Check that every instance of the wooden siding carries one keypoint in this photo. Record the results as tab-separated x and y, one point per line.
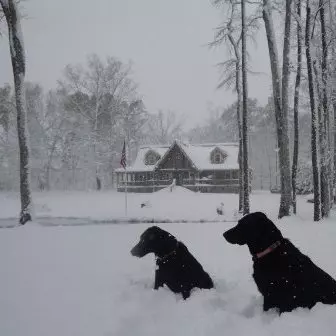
175	159
207	181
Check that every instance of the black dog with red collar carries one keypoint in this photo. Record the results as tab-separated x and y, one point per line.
285	277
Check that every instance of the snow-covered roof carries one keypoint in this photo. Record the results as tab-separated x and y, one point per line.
139	163
199	154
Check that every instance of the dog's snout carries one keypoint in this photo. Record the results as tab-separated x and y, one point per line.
232	236
228	236
139	250
135	251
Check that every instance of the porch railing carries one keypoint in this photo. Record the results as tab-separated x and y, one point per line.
186	182
145	183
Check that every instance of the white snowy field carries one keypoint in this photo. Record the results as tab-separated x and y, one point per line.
82	280
178	206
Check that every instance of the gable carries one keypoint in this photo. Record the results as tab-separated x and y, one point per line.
187	156
175	158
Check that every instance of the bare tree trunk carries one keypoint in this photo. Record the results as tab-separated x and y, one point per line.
239	122
317	197
325	202
334	153
281	108
241	175
50	160
333	99
321	142
95	139
296	105
18	63
246	183
235	46
284	148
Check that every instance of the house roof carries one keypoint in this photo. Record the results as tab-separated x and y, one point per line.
199	155
139	163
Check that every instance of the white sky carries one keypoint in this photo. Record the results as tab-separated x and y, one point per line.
166	40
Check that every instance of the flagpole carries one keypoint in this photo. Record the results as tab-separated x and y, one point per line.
126	190
123	163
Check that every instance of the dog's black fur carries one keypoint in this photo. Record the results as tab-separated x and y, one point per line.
285	277
176	267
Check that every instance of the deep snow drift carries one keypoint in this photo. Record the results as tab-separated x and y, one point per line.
83	280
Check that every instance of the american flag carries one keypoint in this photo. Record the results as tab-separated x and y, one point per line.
123	156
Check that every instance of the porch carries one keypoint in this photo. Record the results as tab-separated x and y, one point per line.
147	182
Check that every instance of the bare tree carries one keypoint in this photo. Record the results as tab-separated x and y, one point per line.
246	184
332	24
133	118
230	33
325	193
232	70
314	119
54	126
164	127
280	101
17	52
296	103
97	94
8	138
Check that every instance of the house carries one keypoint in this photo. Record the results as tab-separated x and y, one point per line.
204	168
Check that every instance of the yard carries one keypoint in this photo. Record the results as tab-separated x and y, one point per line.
71	272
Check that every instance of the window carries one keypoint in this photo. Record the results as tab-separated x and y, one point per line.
217	156
151	158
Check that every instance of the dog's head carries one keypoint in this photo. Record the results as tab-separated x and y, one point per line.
255	230
154	240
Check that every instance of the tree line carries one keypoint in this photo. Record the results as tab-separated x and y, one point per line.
77	130
315	38
82	123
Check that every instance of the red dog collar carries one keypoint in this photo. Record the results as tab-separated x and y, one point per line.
268	250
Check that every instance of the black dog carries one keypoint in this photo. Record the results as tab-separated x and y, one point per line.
285	277
176	267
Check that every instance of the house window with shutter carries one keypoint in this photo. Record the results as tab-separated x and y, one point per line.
217	156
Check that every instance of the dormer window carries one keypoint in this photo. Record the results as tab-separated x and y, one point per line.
151	158
217	156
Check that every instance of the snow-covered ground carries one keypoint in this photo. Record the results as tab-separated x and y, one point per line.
109	206
179	205
82	280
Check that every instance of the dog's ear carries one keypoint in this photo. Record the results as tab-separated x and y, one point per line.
253	217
